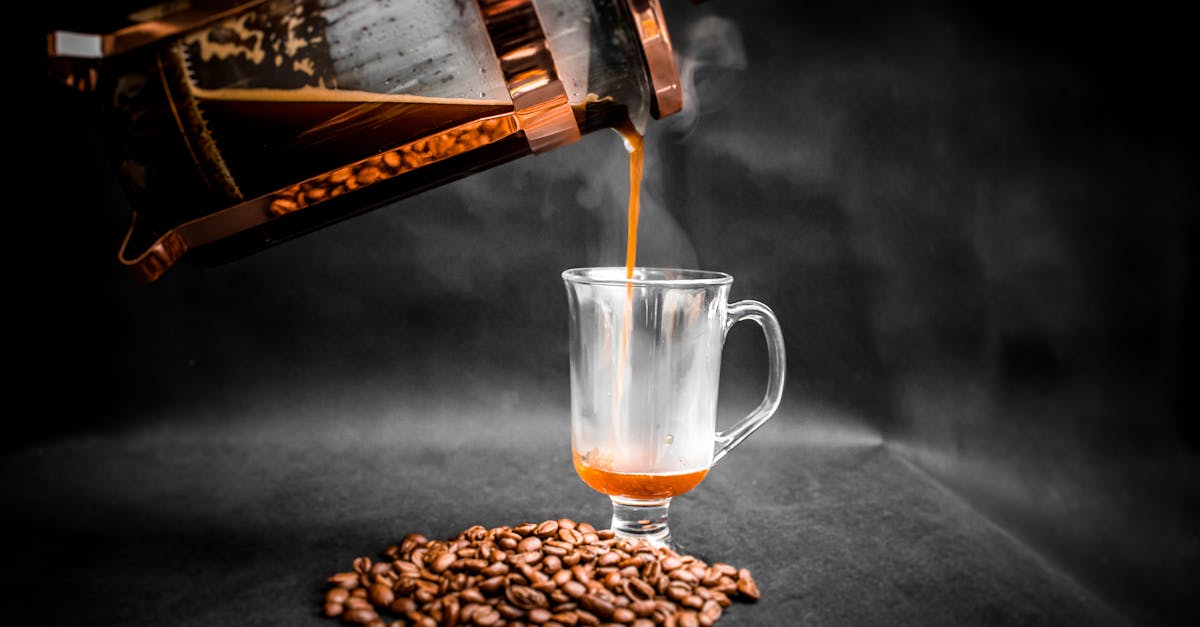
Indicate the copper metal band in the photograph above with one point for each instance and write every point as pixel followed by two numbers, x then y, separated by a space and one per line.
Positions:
pixel 537 93
pixel 660 58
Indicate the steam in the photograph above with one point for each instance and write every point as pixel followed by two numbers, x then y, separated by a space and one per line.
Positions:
pixel 711 59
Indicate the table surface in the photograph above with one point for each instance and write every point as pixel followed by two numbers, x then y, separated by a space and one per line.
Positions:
pixel 239 519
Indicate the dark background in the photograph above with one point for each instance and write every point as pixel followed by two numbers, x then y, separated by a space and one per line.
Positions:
pixel 975 226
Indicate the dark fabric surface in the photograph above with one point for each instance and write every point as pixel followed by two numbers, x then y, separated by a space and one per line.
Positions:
pixel 239 524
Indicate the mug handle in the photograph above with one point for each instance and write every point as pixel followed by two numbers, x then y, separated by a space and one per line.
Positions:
pixel 760 313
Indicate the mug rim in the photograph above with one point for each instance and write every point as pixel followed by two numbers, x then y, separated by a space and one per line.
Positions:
pixel 672 277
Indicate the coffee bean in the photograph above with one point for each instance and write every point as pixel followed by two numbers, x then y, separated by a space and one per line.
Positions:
pixel 597 604
pixel 608 559
pixel 337 595
pixel 569 535
pixel 357 603
pixel 381 595
pixel 683 574
pixel 509 612
pixel 344 580
pixel 495 570
pixel 531 543
pixel 526 597
pixel 485 617
pixel 565 619
pixel 623 615
pixel 746 585
pixel 574 589
pixel 581 574
pixel 361 615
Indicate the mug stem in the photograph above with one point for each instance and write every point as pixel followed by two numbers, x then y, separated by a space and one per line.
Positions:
pixel 642 520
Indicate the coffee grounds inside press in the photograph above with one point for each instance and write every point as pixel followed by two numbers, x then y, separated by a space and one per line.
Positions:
pixel 556 573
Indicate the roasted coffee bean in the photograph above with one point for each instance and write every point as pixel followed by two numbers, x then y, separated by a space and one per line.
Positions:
pixel 710 613
pixel 678 590
pixel 403 605
pixel 381 595
pixel 417 619
pixel 608 559
pixel 687 618
pixel 495 570
pixel 357 603
pixel 746 585
pixel 597 604
pixel 528 557
pixel 442 562
pixel 485 617
pixel 509 612
pixel 574 589
pixel 492 585
pixel 683 574
pixel 531 543
pixel 644 607
pixel 551 564
pixel 525 528
pixel 623 615
pixel 567 619
pixel 344 580
pixel 360 616
pixel 569 535
pixel 526 597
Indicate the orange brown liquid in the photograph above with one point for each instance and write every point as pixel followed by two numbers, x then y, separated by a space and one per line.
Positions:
pixel 644 486
pixel 635 145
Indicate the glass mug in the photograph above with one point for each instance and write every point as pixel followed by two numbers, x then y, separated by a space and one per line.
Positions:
pixel 645 370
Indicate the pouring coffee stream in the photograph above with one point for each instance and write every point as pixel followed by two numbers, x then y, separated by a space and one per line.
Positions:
pixel 235 126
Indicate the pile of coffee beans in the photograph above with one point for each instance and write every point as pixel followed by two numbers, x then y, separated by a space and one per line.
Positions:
pixel 559 573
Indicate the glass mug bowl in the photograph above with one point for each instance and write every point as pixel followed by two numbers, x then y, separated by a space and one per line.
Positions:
pixel 645 370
